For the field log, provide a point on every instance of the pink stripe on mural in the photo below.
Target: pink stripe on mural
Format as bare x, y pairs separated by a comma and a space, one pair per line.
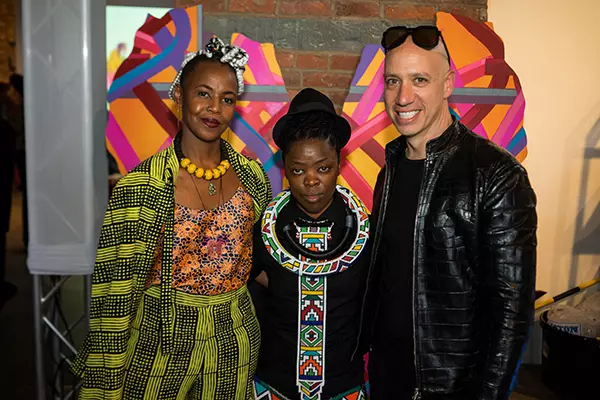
480, 130
370, 98
144, 36
472, 72
357, 183
120, 144
511, 121
257, 63
367, 131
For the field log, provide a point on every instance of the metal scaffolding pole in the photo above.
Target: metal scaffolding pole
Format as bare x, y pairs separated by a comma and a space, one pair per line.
54, 344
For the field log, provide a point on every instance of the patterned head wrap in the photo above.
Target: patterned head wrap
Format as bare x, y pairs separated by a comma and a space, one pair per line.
234, 56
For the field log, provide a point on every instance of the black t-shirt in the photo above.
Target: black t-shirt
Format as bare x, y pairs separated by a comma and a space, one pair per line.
277, 310
393, 337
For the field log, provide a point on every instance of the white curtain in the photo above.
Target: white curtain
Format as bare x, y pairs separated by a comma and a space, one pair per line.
65, 120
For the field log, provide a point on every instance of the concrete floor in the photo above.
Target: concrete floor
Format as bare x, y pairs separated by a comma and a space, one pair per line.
17, 365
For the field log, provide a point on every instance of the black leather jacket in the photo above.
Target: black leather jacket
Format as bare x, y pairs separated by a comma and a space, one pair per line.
474, 265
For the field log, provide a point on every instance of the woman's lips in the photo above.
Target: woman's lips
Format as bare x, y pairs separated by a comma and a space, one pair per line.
313, 198
211, 123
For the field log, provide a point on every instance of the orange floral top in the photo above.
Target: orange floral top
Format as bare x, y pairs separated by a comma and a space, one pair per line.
212, 249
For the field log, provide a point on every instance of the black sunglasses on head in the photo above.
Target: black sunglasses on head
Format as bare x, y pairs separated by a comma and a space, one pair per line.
425, 36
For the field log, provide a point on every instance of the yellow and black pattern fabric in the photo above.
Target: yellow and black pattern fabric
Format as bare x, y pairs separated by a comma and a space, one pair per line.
142, 205
215, 349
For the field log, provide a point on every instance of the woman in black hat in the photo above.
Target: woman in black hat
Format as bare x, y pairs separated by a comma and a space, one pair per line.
310, 250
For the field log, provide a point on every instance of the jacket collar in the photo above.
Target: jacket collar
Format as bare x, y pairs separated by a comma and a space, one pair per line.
435, 147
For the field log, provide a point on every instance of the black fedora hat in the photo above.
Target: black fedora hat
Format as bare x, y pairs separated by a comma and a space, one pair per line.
308, 100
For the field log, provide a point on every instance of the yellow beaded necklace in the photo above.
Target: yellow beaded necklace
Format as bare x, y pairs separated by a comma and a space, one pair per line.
206, 174
199, 172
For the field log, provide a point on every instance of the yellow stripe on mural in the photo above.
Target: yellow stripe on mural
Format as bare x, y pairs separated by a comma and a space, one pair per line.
365, 165
387, 135
233, 139
349, 108
378, 109
372, 69
249, 77
269, 51
264, 116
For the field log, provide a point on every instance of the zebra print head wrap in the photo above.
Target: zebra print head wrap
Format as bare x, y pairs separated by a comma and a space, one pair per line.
234, 56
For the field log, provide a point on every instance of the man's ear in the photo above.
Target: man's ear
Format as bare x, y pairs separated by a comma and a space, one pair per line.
449, 83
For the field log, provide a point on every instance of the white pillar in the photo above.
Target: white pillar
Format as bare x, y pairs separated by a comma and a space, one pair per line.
65, 118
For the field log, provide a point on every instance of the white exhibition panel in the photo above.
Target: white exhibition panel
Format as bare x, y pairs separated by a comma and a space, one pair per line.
65, 117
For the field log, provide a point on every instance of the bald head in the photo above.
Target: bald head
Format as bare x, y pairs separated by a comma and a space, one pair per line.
438, 53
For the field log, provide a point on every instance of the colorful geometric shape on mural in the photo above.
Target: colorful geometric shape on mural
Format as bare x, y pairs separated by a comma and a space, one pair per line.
488, 96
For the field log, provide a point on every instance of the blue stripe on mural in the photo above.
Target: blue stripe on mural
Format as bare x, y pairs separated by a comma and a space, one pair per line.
513, 142
261, 148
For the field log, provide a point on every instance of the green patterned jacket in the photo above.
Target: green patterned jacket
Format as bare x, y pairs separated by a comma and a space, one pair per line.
142, 203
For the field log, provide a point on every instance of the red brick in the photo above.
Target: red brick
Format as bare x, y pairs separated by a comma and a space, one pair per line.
312, 61
285, 58
330, 80
422, 13
315, 8
475, 13
291, 77
344, 62
345, 8
207, 5
253, 6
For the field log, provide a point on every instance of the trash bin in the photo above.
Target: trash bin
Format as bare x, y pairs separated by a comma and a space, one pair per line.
570, 363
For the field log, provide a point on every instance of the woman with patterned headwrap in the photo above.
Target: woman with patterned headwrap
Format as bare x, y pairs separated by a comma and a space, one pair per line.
171, 317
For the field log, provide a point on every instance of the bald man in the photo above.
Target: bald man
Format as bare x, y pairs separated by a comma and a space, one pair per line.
451, 291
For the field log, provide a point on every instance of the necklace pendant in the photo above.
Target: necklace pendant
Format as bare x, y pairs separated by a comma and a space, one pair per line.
212, 190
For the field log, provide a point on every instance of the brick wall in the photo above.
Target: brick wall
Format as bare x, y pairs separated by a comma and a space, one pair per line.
318, 42
7, 50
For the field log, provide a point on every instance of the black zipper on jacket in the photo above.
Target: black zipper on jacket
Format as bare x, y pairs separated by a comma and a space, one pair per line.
376, 235
417, 394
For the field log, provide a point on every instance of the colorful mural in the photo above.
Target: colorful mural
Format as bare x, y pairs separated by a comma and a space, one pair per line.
488, 97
